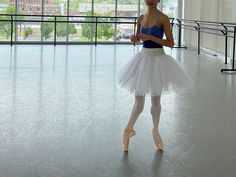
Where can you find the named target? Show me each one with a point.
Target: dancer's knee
(156, 100)
(139, 104)
(139, 108)
(156, 106)
(154, 109)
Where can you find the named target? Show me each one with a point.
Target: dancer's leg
(136, 111)
(156, 111)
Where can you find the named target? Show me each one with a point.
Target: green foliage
(106, 30)
(87, 28)
(74, 5)
(5, 27)
(28, 32)
(103, 29)
(47, 29)
(9, 10)
(61, 29)
(4, 2)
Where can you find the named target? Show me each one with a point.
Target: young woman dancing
(151, 71)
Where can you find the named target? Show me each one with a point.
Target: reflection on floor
(62, 114)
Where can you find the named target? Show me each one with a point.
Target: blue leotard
(154, 31)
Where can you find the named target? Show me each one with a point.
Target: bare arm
(139, 21)
(135, 38)
(169, 41)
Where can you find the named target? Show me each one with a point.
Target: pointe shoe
(127, 135)
(157, 139)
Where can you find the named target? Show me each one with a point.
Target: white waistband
(153, 51)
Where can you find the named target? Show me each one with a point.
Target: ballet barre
(224, 29)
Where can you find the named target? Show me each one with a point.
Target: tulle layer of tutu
(153, 72)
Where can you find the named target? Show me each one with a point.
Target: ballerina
(151, 71)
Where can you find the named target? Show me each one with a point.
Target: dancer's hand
(144, 37)
(134, 38)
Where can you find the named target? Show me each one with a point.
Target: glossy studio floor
(62, 114)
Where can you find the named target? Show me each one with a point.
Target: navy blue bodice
(154, 31)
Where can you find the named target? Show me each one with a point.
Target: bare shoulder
(163, 17)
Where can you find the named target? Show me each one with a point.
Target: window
(35, 31)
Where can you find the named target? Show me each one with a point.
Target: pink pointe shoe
(157, 139)
(127, 134)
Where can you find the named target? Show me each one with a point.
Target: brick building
(34, 7)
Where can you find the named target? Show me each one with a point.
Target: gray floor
(62, 114)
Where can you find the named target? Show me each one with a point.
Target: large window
(74, 32)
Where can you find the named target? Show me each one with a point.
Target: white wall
(192, 10)
(234, 11)
(212, 10)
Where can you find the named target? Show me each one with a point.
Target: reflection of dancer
(151, 70)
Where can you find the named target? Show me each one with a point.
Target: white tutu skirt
(153, 72)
